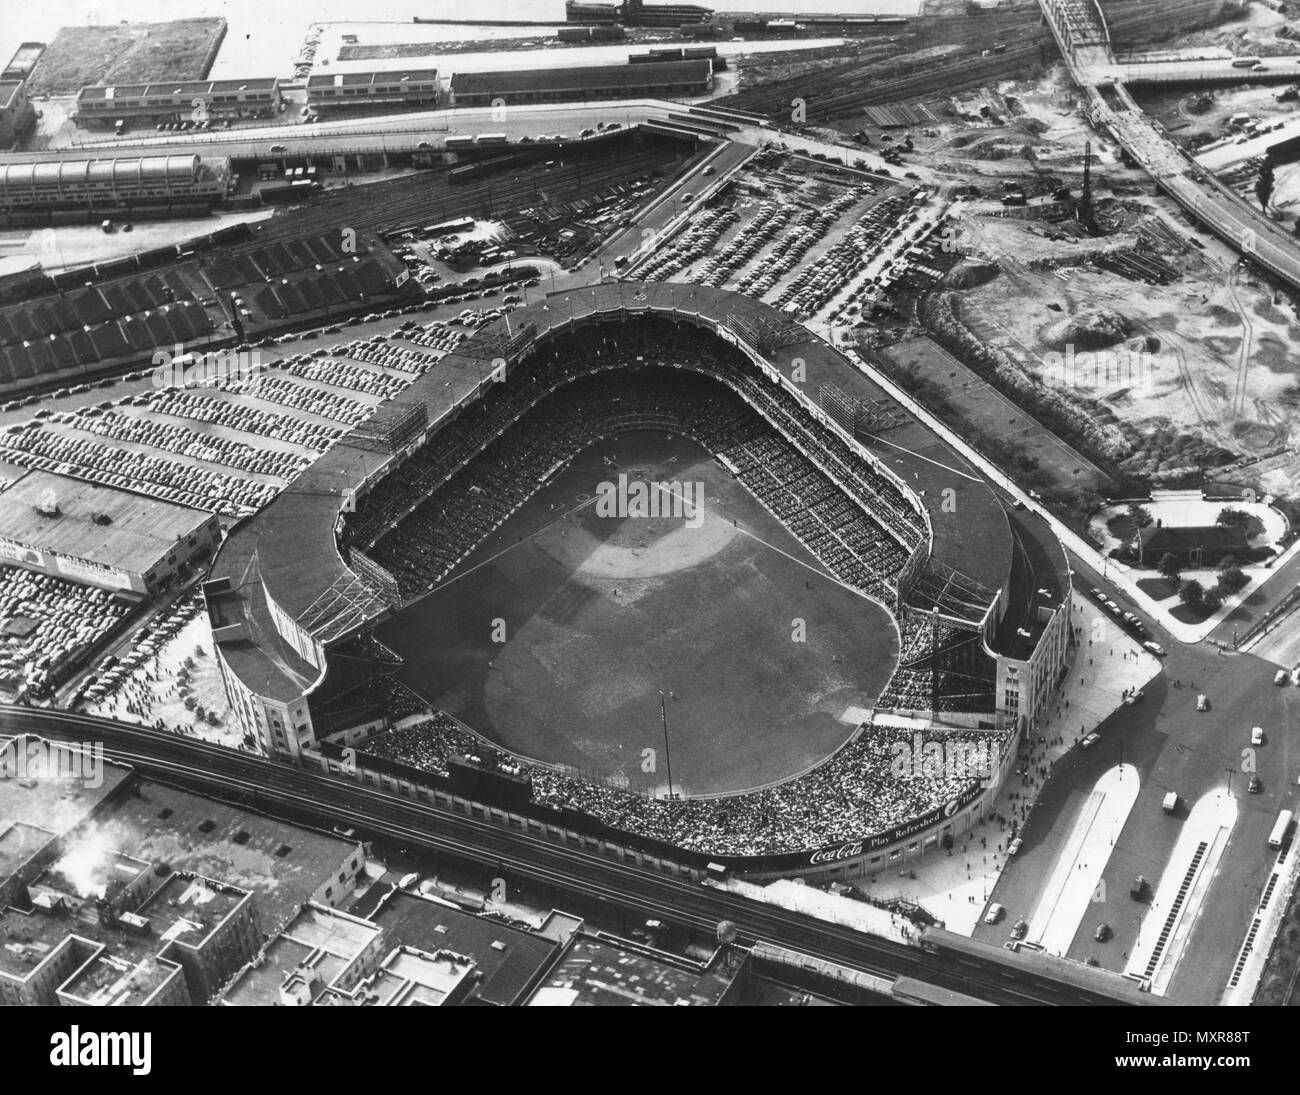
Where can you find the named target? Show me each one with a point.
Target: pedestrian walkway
(1076, 878)
(1263, 928)
(1166, 928)
(954, 886)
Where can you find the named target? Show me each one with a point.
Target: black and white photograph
(556, 503)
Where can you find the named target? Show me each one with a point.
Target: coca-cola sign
(834, 855)
(854, 848)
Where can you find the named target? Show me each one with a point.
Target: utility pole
(668, 757)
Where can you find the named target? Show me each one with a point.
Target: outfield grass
(601, 613)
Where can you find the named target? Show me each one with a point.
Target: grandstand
(874, 511)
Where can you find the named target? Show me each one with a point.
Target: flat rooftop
(18, 843)
(369, 79)
(58, 804)
(508, 958)
(282, 864)
(184, 87)
(109, 980)
(412, 978)
(325, 940)
(583, 78)
(596, 972)
(132, 533)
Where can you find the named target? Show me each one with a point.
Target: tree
(1170, 566)
(1212, 599)
(1233, 581)
(1229, 517)
(1192, 594)
(1140, 516)
(1228, 562)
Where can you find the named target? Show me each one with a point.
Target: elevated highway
(1081, 35)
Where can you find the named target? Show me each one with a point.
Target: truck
(1170, 803)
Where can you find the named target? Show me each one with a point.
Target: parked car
(1256, 735)
(994, 914)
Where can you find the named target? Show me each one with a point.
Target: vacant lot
(128, 53)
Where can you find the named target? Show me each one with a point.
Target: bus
(1280, 828)
(490, 138)
(1245, 62)
(460, 141)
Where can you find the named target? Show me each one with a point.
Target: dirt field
(601, 613)
(127, 53)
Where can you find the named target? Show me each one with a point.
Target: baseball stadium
(650, 564)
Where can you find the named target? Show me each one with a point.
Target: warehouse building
(669, 79)
(17, 115)
(350, 89)
(100, 536)
(81, 184)
(195, 100)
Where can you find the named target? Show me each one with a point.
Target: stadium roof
(581, 77)
(138, 533)
(289, 550)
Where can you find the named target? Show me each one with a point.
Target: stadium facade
(980, 590)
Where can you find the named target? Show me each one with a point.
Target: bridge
(1080, 32)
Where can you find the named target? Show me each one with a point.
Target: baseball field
(556, 636)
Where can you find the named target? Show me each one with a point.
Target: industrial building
(396, 88)
(109, 183)
(101, 536)
(669, 79)
(196, 100)
(17, 115)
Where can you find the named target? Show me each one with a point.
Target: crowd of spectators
(156, 476)
(425, 521)
(856, 793)
(46, 621)
(939, 666)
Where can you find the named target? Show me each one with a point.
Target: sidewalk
(955, 886)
